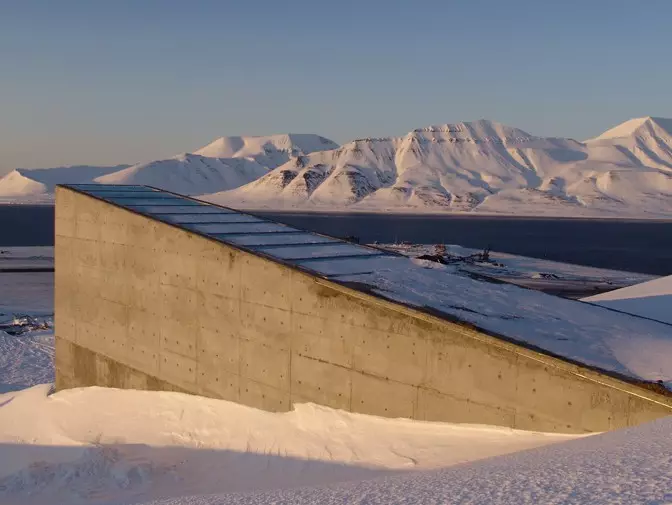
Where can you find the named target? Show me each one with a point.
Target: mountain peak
(636, 127)
(479, 129)
(253, 146)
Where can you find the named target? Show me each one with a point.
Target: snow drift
(479, 166)
(652, 299)
(97, 445)
(625, 466)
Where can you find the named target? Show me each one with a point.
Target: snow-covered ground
(98, 445)
(651, 299)
(481, 166)
(632, 467)
(26, 318)
(563, 279)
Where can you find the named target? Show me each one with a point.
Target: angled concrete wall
(142, 304)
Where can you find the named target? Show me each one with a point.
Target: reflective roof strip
(155, 202)
(301, 244)
(349, 273)
(348, 257)
(173, 213)
(105, 186)
(122, 189)
(123, 194)
(131, 192)
(191, 223)
(141, 196)
(242, 233)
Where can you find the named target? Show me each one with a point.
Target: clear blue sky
(121, 81)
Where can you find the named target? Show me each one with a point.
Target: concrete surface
(143, 304)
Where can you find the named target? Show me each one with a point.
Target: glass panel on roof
(122, 193)
(162, 210)
(162, 202)
(280, 238)
(351, 266)
(317, 250)
(108, 187)
(262, 226)
(224, 217)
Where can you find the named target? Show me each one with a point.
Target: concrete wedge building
(159, 291)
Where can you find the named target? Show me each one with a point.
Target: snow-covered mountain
(270, 151)
(38, 183)
(189, 174)
(226, 163)
(480, 166)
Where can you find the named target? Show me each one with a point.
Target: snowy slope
(39, 183)
(224, 164)
(96, 445)
(479, 166)
(189, 174)
(629, 466)
(651, 299)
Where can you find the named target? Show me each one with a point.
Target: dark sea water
(637, 246)
(26, 225)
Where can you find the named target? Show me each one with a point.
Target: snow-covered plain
(26, 303)
(651, 299)
(480, 166)
(107, 446)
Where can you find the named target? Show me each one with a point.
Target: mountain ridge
(268, 150)
(185, 173)
(478, 166)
